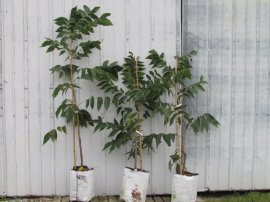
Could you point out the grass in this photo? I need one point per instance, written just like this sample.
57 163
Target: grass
238 197
210 197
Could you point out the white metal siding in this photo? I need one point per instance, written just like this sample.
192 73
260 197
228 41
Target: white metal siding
232 37
27 109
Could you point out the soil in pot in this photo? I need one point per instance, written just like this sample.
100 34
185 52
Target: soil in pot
81 168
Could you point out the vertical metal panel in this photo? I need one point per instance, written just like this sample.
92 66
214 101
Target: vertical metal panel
34 110
232 39
2 141
9 100
225 88
171 39
27 167
249 95
18 39
259 171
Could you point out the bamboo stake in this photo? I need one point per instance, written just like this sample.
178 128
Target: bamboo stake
177 122
138 117
73 103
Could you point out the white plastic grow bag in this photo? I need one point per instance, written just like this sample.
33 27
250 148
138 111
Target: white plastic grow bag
81 185
184 188
134 185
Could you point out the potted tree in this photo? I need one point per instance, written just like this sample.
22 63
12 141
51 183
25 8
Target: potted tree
70 43
184 184
136 101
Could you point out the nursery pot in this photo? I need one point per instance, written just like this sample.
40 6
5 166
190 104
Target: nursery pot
134 185
81 185
184 187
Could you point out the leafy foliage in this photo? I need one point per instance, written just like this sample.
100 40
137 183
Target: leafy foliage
71 43
180 79
139 99
81 22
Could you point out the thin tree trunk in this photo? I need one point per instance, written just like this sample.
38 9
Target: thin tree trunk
135 152
138 136
76 123
184 145
80 141
141 157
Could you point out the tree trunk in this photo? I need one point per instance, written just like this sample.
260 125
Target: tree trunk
184 145
177 128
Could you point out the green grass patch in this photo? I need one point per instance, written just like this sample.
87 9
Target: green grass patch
238 197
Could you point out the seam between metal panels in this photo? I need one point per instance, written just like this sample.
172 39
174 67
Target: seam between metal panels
208 99
26 93
39 99
13 101
245 97
232 96
52 124
268 107
152 38
221 84
256 90
2 98
179 21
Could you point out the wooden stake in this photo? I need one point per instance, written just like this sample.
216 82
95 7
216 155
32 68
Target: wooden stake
74 103
177 122
138 117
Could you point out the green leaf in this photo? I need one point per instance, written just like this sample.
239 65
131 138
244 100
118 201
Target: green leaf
95 9
64 129
174 157
100 126
113 132
87 9
87 103
57 90
50 49
212 120
103 20
158 139
167 139
51 135
107 103
59 128
68 114
46 43
99 103
107 145
92 102
193 52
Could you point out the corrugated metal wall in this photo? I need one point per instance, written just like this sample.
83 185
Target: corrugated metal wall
232 37
27 109
233 41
